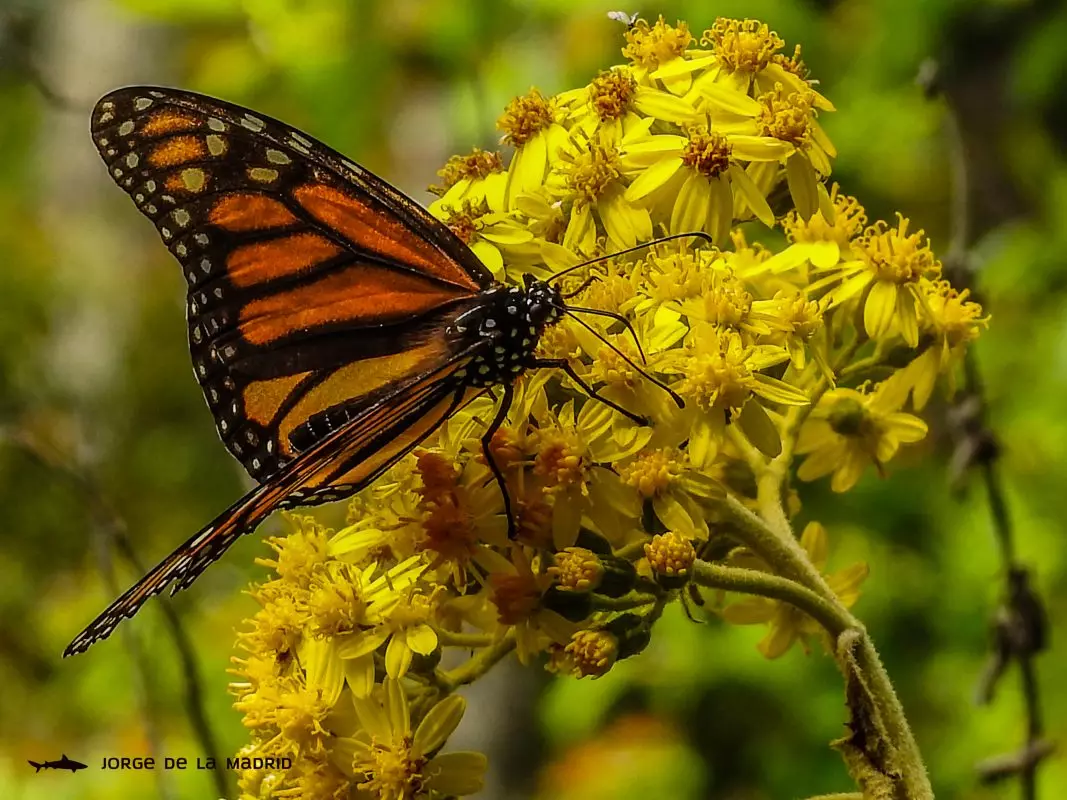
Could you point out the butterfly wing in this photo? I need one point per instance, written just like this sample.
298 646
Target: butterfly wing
312 283
353 455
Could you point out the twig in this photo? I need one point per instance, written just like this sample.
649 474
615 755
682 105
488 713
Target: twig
113 534
1020 624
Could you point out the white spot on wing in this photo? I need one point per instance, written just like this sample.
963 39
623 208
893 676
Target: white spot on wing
252 123
141 103
126 128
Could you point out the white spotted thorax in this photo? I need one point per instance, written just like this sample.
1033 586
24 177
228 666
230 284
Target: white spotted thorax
503 330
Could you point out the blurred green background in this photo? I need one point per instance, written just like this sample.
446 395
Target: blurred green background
104 427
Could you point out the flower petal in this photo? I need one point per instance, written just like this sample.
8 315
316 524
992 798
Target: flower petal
438 724
460 773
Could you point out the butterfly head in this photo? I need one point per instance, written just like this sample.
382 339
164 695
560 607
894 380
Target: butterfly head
544 302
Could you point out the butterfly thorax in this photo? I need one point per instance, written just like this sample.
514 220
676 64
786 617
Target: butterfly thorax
503 329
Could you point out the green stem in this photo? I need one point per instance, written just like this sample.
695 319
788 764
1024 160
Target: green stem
764 584
855 651
624 603
476 666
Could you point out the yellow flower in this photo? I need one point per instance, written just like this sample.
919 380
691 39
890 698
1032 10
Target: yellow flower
573 458
748 58
849 429
615 96
824 239
488 233
675 488
588 177
477 177
700 172
659 47
531 124
787 623
722 379
953 321
387 761
888 279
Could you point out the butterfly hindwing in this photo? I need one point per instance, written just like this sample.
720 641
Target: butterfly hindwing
311 281
350 456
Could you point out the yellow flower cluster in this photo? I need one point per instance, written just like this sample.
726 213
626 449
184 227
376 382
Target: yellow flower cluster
728 357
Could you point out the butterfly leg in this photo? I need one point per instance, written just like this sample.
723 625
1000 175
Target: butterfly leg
565 365
487 439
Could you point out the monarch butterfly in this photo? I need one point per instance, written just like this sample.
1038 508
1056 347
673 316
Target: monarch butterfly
333 323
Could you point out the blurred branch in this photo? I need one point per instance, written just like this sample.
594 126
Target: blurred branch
111 534
1020 622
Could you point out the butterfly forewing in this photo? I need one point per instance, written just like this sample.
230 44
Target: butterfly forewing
311 282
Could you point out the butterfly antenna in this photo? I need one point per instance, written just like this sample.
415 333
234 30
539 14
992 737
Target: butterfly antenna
618 318
674 395
694 235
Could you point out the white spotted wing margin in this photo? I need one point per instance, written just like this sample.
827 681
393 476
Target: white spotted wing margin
368 443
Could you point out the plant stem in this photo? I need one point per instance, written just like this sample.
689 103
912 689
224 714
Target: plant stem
870 693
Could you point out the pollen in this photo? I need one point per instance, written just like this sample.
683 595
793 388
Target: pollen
516 596
651 473
727 303
465 220
850 218
746 45
896 256
787 117
476 164
706 151
558 341
718 377
525 117
612 369
560 460
335 602
956 317
577 570
592 653
670 554
611 93
438 476
651 45
590 172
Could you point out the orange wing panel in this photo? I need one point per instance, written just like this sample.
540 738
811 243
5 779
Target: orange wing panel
249 212
362 294
357 380
262 399
169 122
179 150
378 233
264 261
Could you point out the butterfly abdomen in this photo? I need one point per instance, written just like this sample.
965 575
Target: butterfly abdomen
503 329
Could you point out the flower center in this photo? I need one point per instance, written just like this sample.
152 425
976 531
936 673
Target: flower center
476 164
706 151
589 173
611 92
849 221
747 45
651 473
394 772
650 46
787 116
727 303
718 378
525 117
899 257
516 597
560 461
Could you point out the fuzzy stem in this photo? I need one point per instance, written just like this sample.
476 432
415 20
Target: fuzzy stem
869 693
764 584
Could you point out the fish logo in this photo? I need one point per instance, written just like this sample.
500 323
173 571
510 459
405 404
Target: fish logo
63 763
